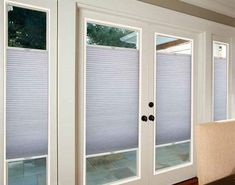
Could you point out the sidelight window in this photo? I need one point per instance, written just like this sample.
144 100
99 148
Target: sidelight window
26 97
220 81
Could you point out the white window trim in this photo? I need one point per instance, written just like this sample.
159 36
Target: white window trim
40 5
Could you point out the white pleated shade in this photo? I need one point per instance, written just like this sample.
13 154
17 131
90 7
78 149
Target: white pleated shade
220 89
26 103
173 98
112 99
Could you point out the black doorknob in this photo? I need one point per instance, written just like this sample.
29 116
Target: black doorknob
151 117
144 118
151 104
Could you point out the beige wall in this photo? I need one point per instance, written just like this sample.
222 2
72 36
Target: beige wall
196 11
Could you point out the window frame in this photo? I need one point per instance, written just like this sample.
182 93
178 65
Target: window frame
51 24
87 18
191 39
227 42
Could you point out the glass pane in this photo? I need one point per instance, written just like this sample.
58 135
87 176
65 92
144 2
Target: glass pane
26 28
173 102
26 97
110 36
110 168
112 111
220 81
28 172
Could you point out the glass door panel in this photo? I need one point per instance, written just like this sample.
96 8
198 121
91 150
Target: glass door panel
173 102
112 104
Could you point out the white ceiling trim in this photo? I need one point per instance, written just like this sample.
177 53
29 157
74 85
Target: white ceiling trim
225 7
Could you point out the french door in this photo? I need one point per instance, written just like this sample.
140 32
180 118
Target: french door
30 92
137 98
113 99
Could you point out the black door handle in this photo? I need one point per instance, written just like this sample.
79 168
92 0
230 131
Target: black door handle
151 117
144 118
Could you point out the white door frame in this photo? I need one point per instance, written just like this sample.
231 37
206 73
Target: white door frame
100 18
148 54
51 9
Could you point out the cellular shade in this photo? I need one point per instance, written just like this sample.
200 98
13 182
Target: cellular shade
173 98
220 88
112 95
26 103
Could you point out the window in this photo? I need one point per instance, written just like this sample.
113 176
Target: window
112 104
26 28
110 36
173 102
26 97
220 80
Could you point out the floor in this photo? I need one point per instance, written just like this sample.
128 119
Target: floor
193 181
115 167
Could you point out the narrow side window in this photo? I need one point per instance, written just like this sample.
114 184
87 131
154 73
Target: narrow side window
220 80
26 97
